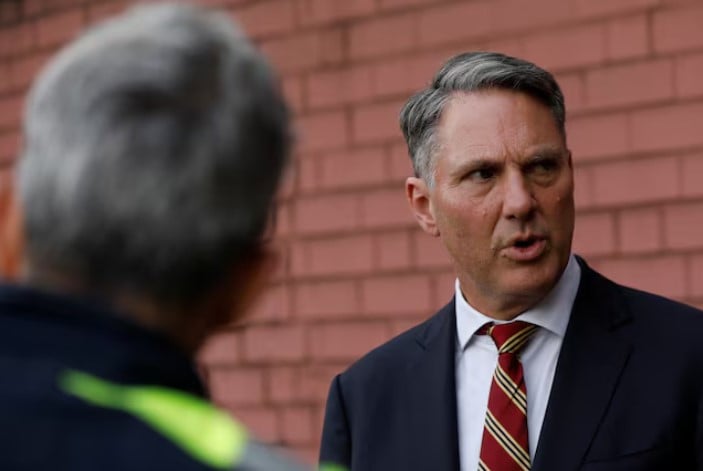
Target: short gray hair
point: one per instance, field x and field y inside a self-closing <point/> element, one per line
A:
<point x="471" y="72"/>
<point x="154" y="146"/>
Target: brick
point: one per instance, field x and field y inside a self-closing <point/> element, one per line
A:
<point x="265" y="18"/>
<point x="385" y="208"/>
<point x="396" y="295"/>
<point x="578" y="46"/>
<point x="262" y="422"/>
<point x="455" y="22"/>
<point x="353" y="169"/>
<point x="636" y="181"/>
<point x="383" y="36"/>
<point x="297" y="425"/>
<point x="314" y="381"/>
<point x="222" y="349"/>
<point x="24" y="69"/>
<point x="595" y="8"/>
<point x="17" y="40"/>
<point x="334" y="48"/>
<point x="627" y="37"/>
<point x="511" y="46"/>
<point x="640" y="230"/>
<point x="678" y="30"/>
<point x="598" y="136"/>
<point x="282" y="344"/>
<point x="688" y="72"/>
<point x="583" y="187"/>
<point x="6" y="79"/>
<point x="430" y="252"/>
<point x="283" y="384"/>
<point x="692" y="166"/>
<point x="670" y="127"/>
<point x="340" y="256"/>
<point x="316" y="12"/>
<point x="403" y="4"/>
<point x="406" y="74"/>
<point x="638" y="83"/>
<point x="346" y="341"/>
<point x="392" y="251"/>
<point x="323" y="131"/>
<point x="340" y="87"/>
<point x="271" y="306"/>
<point x="594" y="234"/>
<point x="696" y="276"/>
<point x="326" y="299"/>
<point x="574" y="90"/>
<point x="11" y="108"/>
<point x="399" y="326"/>
<point x="683" y="225"/>
<point x="282" y="221"/>
<point x="308" y="173"/>
<point x="101" y="11"/>
<point x="375" y="123"/>
<point x="293" y="92"/>
<point x="326" y="213"/>
<point x="304" y="50"/>
<point x="59" y="28"/>
<point x="516" y="15"/>
<point x="237" y="386"/>
<point x="664" y="275"/>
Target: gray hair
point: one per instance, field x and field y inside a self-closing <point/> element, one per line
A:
<point x="154" y="146"/>
<point x="469" y="72"/>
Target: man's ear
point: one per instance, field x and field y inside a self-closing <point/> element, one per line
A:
<point x="418" y="194"/>
<point x="250" y="281"/>
<point x="11" y="240"/>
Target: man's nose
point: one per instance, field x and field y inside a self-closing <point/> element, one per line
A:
<point x="518" y="199"/>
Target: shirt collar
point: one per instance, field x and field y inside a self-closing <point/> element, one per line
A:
<point x="552" y="313"/>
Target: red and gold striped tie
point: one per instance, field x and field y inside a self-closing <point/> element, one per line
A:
<point x="504" y="446"/>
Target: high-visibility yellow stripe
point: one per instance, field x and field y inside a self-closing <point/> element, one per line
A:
<point x="196" y="426"/>
<point x="331" y="467"/>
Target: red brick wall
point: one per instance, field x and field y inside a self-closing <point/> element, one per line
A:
<point x="355" y="268"/>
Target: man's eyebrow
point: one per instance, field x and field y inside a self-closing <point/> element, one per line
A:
<point x="475" y="164"/>
<point x="545" y="153"/>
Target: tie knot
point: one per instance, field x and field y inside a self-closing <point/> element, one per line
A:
<point x="511" y="337"/>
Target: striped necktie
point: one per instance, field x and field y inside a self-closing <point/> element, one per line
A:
<point x="504" y="446"/>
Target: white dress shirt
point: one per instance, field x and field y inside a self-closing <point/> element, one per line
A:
<point x="477" y="357"/>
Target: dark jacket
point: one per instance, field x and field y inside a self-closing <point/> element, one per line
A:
<point x="85" y="389"/>
<point x="627" y="393"/>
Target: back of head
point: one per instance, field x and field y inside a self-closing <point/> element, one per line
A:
<point x="154" y="146"/>
<point x="466" y="73"/>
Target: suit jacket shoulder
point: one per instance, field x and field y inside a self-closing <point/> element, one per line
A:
<point x="402" y="352"/>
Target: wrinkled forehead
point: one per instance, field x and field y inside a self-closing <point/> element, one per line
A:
<point x="497" y="121"/>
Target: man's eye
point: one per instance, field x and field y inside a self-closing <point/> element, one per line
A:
<point x="482" y="174"/>
<point x="544" y="166"/>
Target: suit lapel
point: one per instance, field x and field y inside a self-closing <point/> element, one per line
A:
<point x="431" y="392"/>
<point x="590" y="364"/>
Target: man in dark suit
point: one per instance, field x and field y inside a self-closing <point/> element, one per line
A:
<point x="538" y="362"/>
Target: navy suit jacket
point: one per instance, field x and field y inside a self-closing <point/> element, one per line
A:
<point x="627" y="392"/>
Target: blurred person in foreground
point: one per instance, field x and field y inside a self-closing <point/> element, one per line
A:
<point x="154" y="146"/>
<point x="538" y="362"/>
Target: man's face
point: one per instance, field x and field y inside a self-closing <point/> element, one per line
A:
<point x="502" y="200"/>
